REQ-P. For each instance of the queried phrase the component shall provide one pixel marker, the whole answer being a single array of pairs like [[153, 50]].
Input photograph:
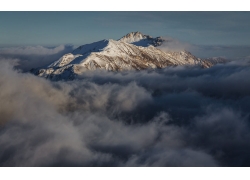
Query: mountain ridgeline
[[134, 51]]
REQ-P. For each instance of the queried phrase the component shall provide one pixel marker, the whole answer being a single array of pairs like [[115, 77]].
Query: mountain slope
[[134, 51]]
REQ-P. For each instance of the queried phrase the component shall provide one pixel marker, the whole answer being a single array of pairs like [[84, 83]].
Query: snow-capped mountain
[[134, 51]]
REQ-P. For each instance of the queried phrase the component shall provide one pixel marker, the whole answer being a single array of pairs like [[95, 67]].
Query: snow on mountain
[[216, 60], [139, 39], [134, 51]]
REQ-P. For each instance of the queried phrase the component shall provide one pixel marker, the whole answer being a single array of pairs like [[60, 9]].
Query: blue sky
[[54, 28]]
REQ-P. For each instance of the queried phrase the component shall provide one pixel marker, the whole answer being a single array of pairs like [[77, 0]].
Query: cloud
[[224, 132], [177, 116], [29, 57], [171, 44], [32, 50], [230, 52]]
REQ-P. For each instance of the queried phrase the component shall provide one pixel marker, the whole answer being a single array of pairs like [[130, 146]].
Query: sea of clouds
[[177, 116]]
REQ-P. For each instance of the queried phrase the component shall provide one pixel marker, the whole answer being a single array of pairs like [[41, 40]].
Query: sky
[[81, 27]]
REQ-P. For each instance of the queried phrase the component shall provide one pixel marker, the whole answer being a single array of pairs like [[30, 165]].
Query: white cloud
[[171, 44]]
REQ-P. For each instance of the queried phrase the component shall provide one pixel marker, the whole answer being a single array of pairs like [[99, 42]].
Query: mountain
[[133, 51]]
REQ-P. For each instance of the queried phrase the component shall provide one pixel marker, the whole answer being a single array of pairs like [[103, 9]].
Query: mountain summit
[[133, 37], [134, 51], [139, 39]]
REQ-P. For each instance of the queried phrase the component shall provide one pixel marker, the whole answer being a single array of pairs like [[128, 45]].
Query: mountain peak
[[139, 39], [134, 37], [137, 33]]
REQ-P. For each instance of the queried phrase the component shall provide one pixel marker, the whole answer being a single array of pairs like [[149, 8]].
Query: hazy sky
[[53, 28]]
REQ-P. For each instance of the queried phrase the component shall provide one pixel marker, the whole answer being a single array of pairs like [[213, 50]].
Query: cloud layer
[[178, 116], [229, 52], [29, 57]]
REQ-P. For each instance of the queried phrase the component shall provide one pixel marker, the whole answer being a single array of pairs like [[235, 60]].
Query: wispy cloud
[[206, 51], [28, 57], [171, 44]]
